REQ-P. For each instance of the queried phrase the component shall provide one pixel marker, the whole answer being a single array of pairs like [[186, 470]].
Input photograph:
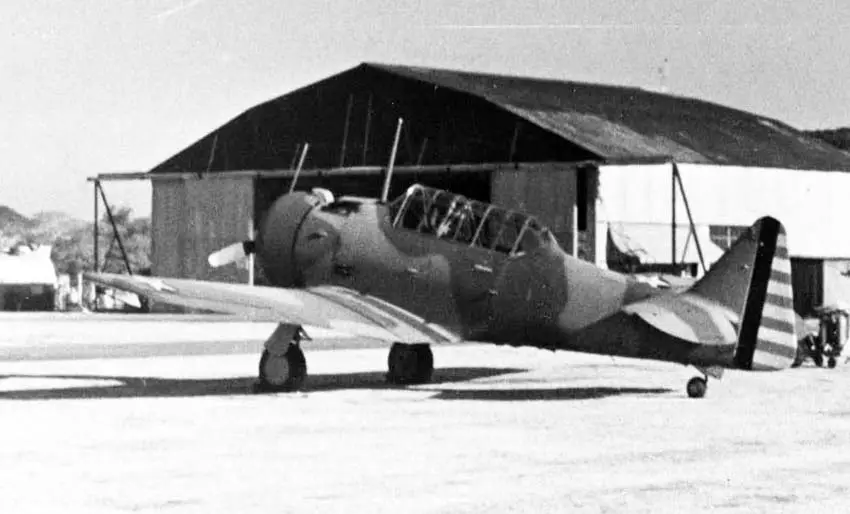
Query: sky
[[102, 86]]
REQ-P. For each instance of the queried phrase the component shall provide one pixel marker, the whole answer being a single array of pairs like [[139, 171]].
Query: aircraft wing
[[327, 307]]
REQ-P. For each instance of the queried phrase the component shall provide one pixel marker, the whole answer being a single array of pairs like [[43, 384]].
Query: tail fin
[[753, 279]]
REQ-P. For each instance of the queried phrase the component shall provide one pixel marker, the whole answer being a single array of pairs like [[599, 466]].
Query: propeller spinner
[[274, 241]]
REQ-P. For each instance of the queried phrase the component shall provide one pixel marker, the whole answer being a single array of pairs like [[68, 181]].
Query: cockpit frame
[[455, 218]]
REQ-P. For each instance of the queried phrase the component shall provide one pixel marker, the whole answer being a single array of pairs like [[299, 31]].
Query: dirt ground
[[99, 429]]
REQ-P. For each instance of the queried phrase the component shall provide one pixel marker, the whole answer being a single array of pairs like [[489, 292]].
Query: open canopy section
[[455, 218]]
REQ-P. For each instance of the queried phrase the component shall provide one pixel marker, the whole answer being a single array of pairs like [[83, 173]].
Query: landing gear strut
[[410, 364], [697, 387], [283, 367]]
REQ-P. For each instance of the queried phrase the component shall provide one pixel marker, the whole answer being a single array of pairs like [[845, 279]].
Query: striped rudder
[[774, 333], [753, 279]]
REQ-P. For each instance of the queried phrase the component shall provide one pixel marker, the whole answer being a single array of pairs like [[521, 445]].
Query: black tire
[[831, 362], [696, 387], [410, 364], [296, 372]]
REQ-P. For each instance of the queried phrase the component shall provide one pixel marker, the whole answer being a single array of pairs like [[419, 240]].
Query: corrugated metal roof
[[622, 123]]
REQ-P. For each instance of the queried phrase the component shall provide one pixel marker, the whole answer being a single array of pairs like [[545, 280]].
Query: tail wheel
[[410, 364], [282, 372], [696, 387]]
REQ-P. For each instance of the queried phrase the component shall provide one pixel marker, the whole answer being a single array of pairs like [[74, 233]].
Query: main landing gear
[[283, 367], [410, 364]]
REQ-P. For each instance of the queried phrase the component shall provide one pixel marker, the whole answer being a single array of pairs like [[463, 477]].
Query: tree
[[74, 251]]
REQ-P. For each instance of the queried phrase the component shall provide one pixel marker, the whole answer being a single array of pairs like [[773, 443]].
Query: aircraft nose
[[276, 242]]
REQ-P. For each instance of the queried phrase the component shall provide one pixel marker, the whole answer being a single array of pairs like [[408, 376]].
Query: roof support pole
[[673, 214], [693, 230], [115, 232], [96, 228]]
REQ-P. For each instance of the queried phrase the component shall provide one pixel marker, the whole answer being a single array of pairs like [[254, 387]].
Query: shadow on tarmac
[[558, 393], [155, 387]]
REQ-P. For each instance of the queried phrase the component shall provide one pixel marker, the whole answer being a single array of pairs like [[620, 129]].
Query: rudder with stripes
[[753, 279]]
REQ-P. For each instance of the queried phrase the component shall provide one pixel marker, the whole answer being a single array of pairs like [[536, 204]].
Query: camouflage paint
[[543, 298]]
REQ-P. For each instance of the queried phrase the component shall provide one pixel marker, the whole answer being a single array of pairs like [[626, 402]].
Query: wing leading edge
[[332, 308]]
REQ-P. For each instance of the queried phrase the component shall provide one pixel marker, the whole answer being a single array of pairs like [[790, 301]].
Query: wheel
[[410, 364], [696, 387], [831, 362], [282, 372]]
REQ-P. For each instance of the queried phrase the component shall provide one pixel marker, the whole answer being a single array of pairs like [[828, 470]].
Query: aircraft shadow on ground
[[557, 393], [156, 387]]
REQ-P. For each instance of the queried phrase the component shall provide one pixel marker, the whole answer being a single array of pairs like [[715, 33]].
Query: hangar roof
[[621, 123], [610, 123]]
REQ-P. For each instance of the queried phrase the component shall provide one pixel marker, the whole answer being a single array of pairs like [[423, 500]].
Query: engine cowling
[[294, 239]]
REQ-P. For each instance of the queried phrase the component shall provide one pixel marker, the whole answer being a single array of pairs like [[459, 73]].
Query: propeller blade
[[230, 254]]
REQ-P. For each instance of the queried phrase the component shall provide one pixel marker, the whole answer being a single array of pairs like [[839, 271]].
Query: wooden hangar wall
[[193, 217]]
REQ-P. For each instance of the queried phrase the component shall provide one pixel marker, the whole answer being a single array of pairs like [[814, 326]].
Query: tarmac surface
[[155, 414]]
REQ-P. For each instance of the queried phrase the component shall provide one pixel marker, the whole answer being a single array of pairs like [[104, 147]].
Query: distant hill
[[839, 137], [55, 221], [10, 218], [43, 228]]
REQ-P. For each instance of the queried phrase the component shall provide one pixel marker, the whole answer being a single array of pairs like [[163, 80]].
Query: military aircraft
[[434, 267]]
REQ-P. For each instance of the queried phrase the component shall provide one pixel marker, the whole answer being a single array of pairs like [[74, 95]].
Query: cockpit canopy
[[456, 218]]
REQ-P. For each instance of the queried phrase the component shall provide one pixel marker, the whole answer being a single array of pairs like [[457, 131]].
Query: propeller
[[237, 252], [231, 253]]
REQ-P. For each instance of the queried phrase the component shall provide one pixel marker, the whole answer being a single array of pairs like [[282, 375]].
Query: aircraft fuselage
[[532, 293]]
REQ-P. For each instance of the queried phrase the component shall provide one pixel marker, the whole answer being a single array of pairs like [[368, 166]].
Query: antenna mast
[[300, 165], [386, 190]]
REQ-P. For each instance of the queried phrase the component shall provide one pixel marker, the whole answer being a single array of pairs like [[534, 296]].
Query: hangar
[[625, 177]]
